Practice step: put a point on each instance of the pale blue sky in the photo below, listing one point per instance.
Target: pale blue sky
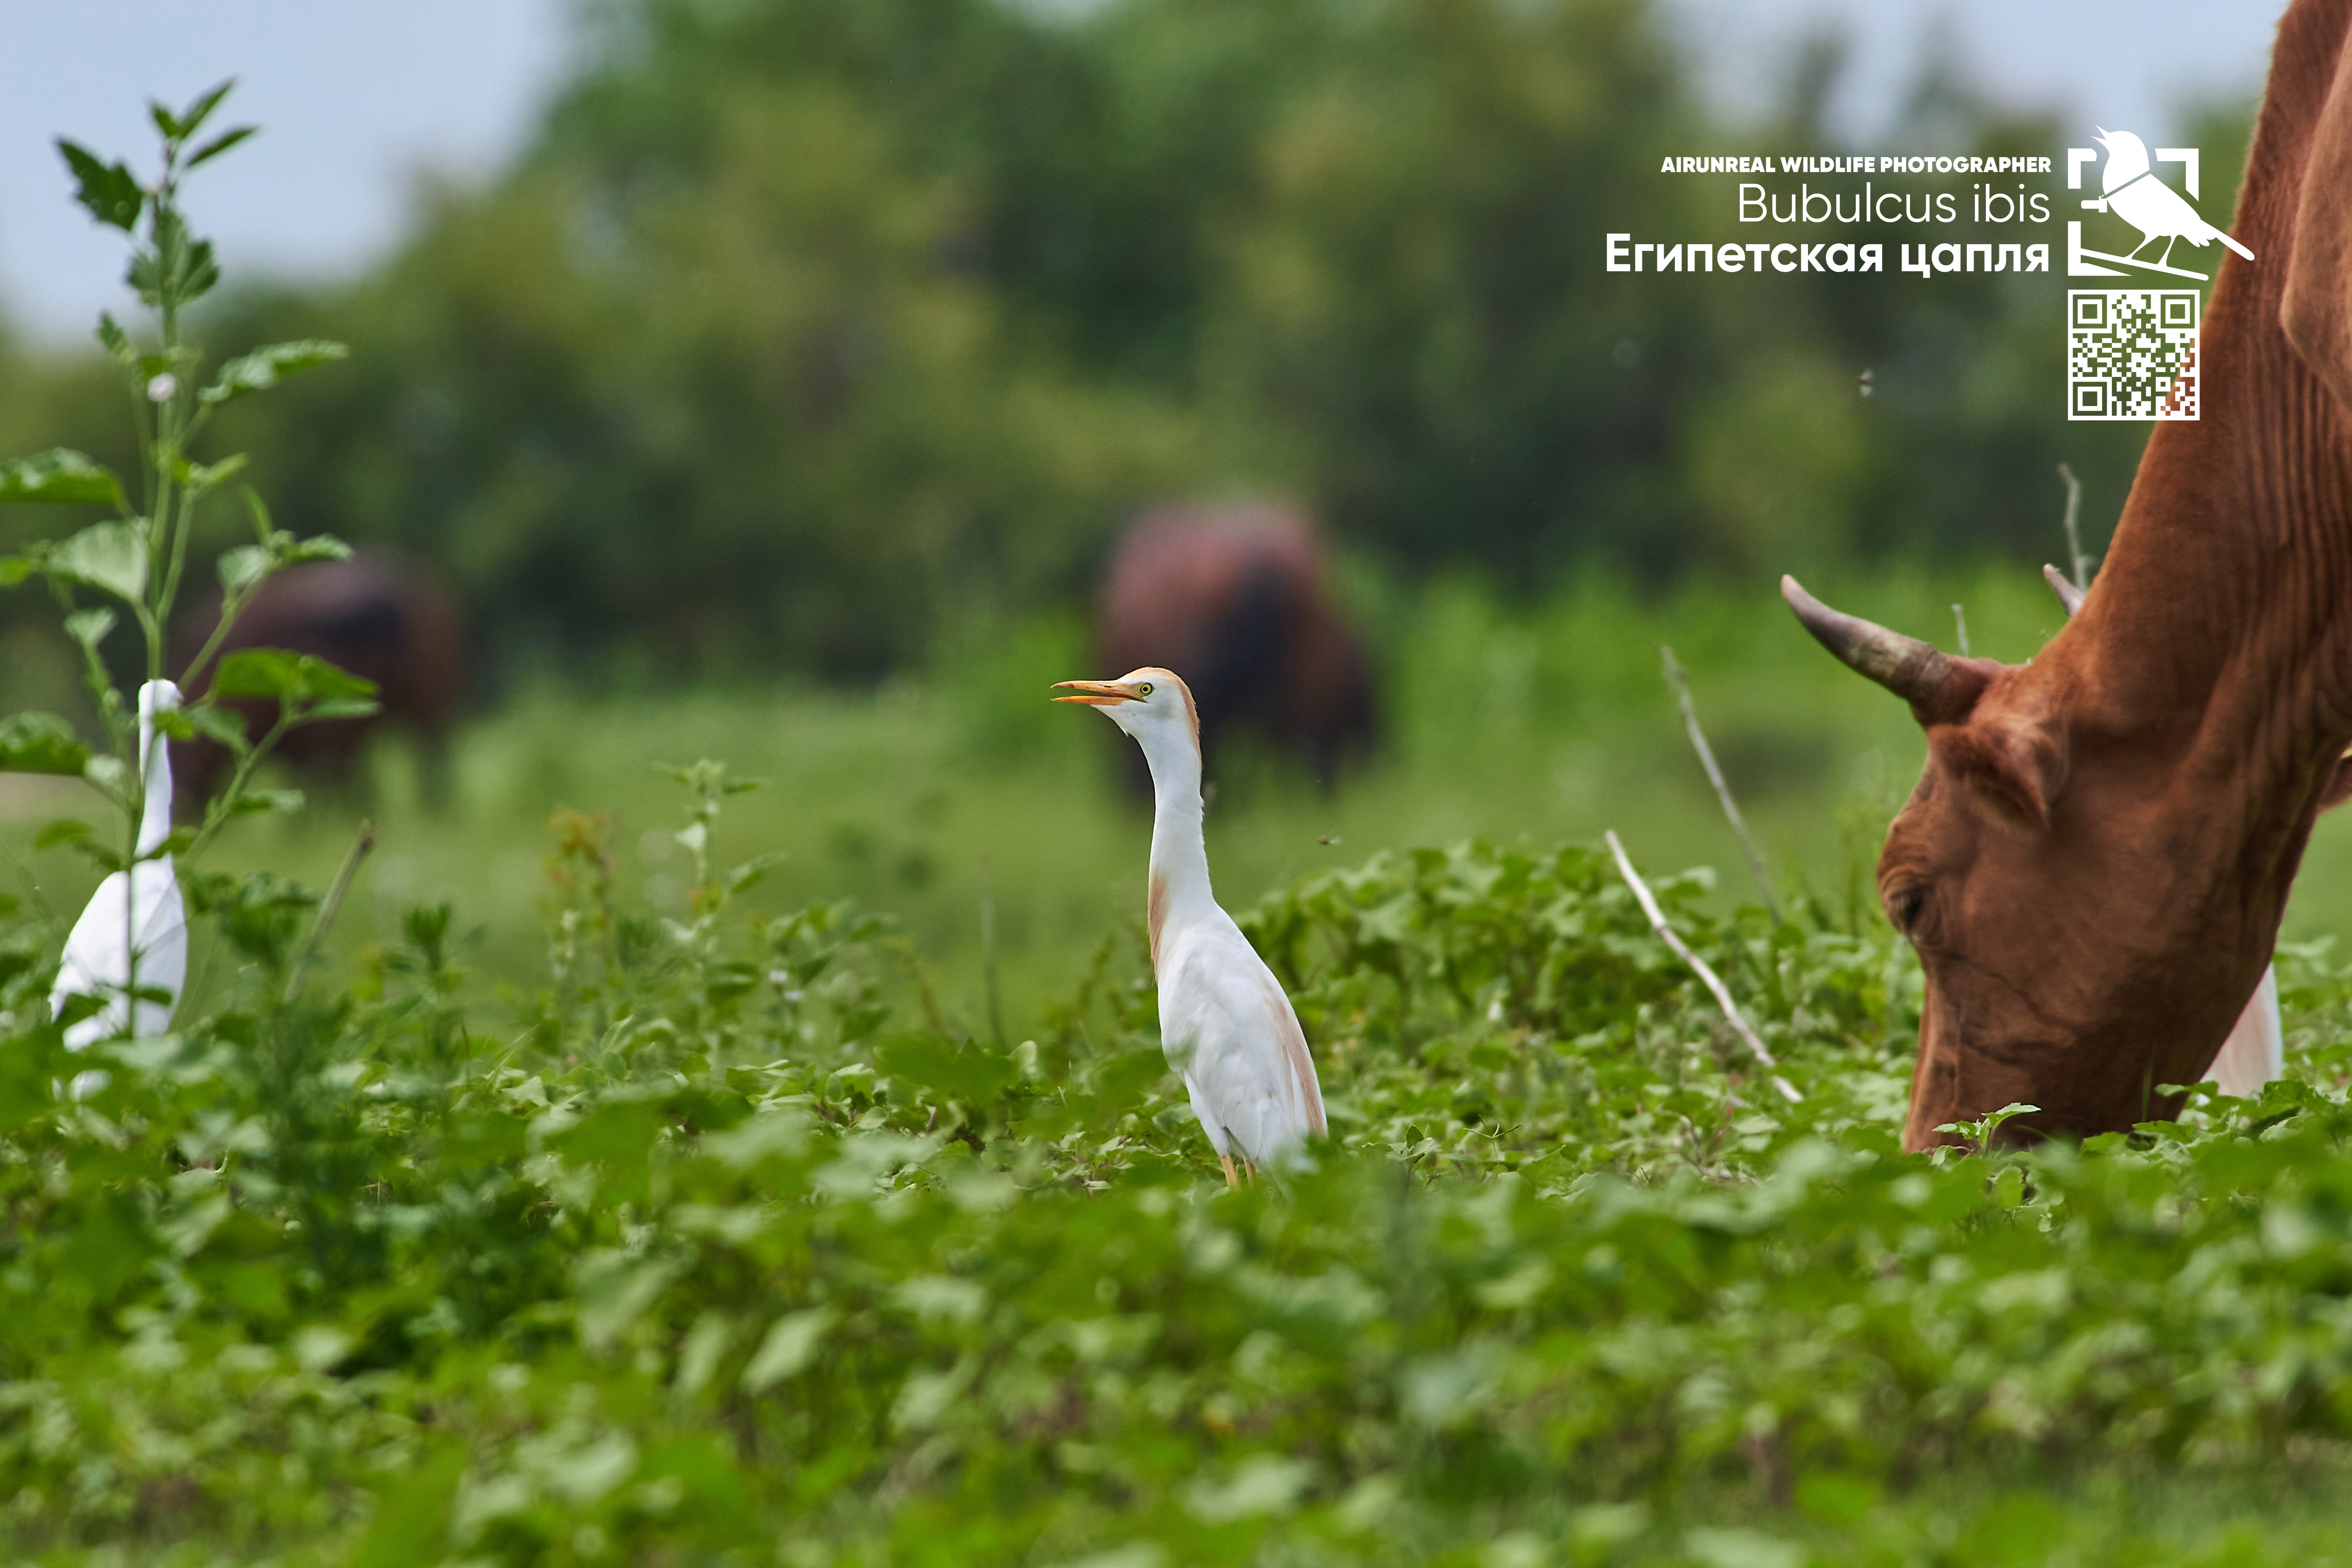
(357, 98)
(354, 99)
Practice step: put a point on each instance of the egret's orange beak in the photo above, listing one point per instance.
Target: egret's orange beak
(1097, 693)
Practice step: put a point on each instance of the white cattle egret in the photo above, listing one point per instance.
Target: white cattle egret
(1226, 1027)
(135, 931)
(2255, 1052)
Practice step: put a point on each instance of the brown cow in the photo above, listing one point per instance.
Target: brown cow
(2097, 857)
(1233, 599)
(373, 615)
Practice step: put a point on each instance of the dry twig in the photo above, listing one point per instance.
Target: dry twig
(2081, 563)
(1698, 966)
(1680, 684)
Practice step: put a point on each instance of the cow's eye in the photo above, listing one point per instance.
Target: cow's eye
(1903, 903)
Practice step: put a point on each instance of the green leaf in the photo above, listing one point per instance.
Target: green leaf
(199, 273)
(109, 191)
(180, 271)
(116, 341)
(752, 870)
(972, 1074)
(221, 143)
(40, 743)
(791, 1345)
(109, 1247)
(200, 476)
(258, 672)
(88, 627)
(60, 474)
(266, 367)
(256, 802)
(222, 725)
(79, 837)
(472, 1142)
(318, 547)
(286, 676)
(110, 774)
(192, 119)
(242, 566)
(25, 1080)
(618, 1132)
(412, 1510)
(111, 556)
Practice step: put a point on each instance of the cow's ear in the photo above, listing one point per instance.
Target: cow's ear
(2317, 310)
(2017, 768)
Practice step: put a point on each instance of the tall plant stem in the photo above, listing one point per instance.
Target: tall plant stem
(326, 909)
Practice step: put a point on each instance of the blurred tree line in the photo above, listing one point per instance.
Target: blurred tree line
(809, 329)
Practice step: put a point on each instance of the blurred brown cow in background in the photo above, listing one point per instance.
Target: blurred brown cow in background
(379, 617)
(1233, 599)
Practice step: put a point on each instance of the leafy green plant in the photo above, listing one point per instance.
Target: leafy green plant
(131, 563)
(754, 1261)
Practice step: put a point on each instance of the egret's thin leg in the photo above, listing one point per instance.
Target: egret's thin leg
(1231, 1179)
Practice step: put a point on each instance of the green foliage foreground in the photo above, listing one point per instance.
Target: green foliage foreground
(712, 1250)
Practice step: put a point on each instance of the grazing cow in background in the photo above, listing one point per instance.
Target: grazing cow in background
(1233, 599)
(2093, 865)
(379, 617)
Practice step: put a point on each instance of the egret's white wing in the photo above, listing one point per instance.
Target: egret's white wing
(97, 959)
(2255, 1052)
(1227, 1026)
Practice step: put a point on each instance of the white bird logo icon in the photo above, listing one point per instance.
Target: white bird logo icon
(2129, 189)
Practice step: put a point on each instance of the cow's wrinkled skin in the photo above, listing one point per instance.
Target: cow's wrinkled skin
(2097, 856)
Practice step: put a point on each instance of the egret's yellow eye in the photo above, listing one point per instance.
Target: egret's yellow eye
(1145, 688)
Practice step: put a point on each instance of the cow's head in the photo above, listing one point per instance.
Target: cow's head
(2096, 860)
(2036, 992)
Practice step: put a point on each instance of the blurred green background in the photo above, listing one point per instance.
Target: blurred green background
(784, 400)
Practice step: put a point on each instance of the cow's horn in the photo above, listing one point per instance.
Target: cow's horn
(1908, 667)
(2068, 594)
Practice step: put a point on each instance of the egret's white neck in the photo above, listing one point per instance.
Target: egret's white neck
(1180, 858)
(155, 765)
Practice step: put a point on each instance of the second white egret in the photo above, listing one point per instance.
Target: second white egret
(133, 935)
(1225, 1024)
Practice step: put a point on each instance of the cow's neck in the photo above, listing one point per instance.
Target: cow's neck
(2216, 636)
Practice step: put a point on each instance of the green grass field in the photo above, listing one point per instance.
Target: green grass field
(966, 784)
(713, 1238)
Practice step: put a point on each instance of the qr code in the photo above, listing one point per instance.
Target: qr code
(2131, 353)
